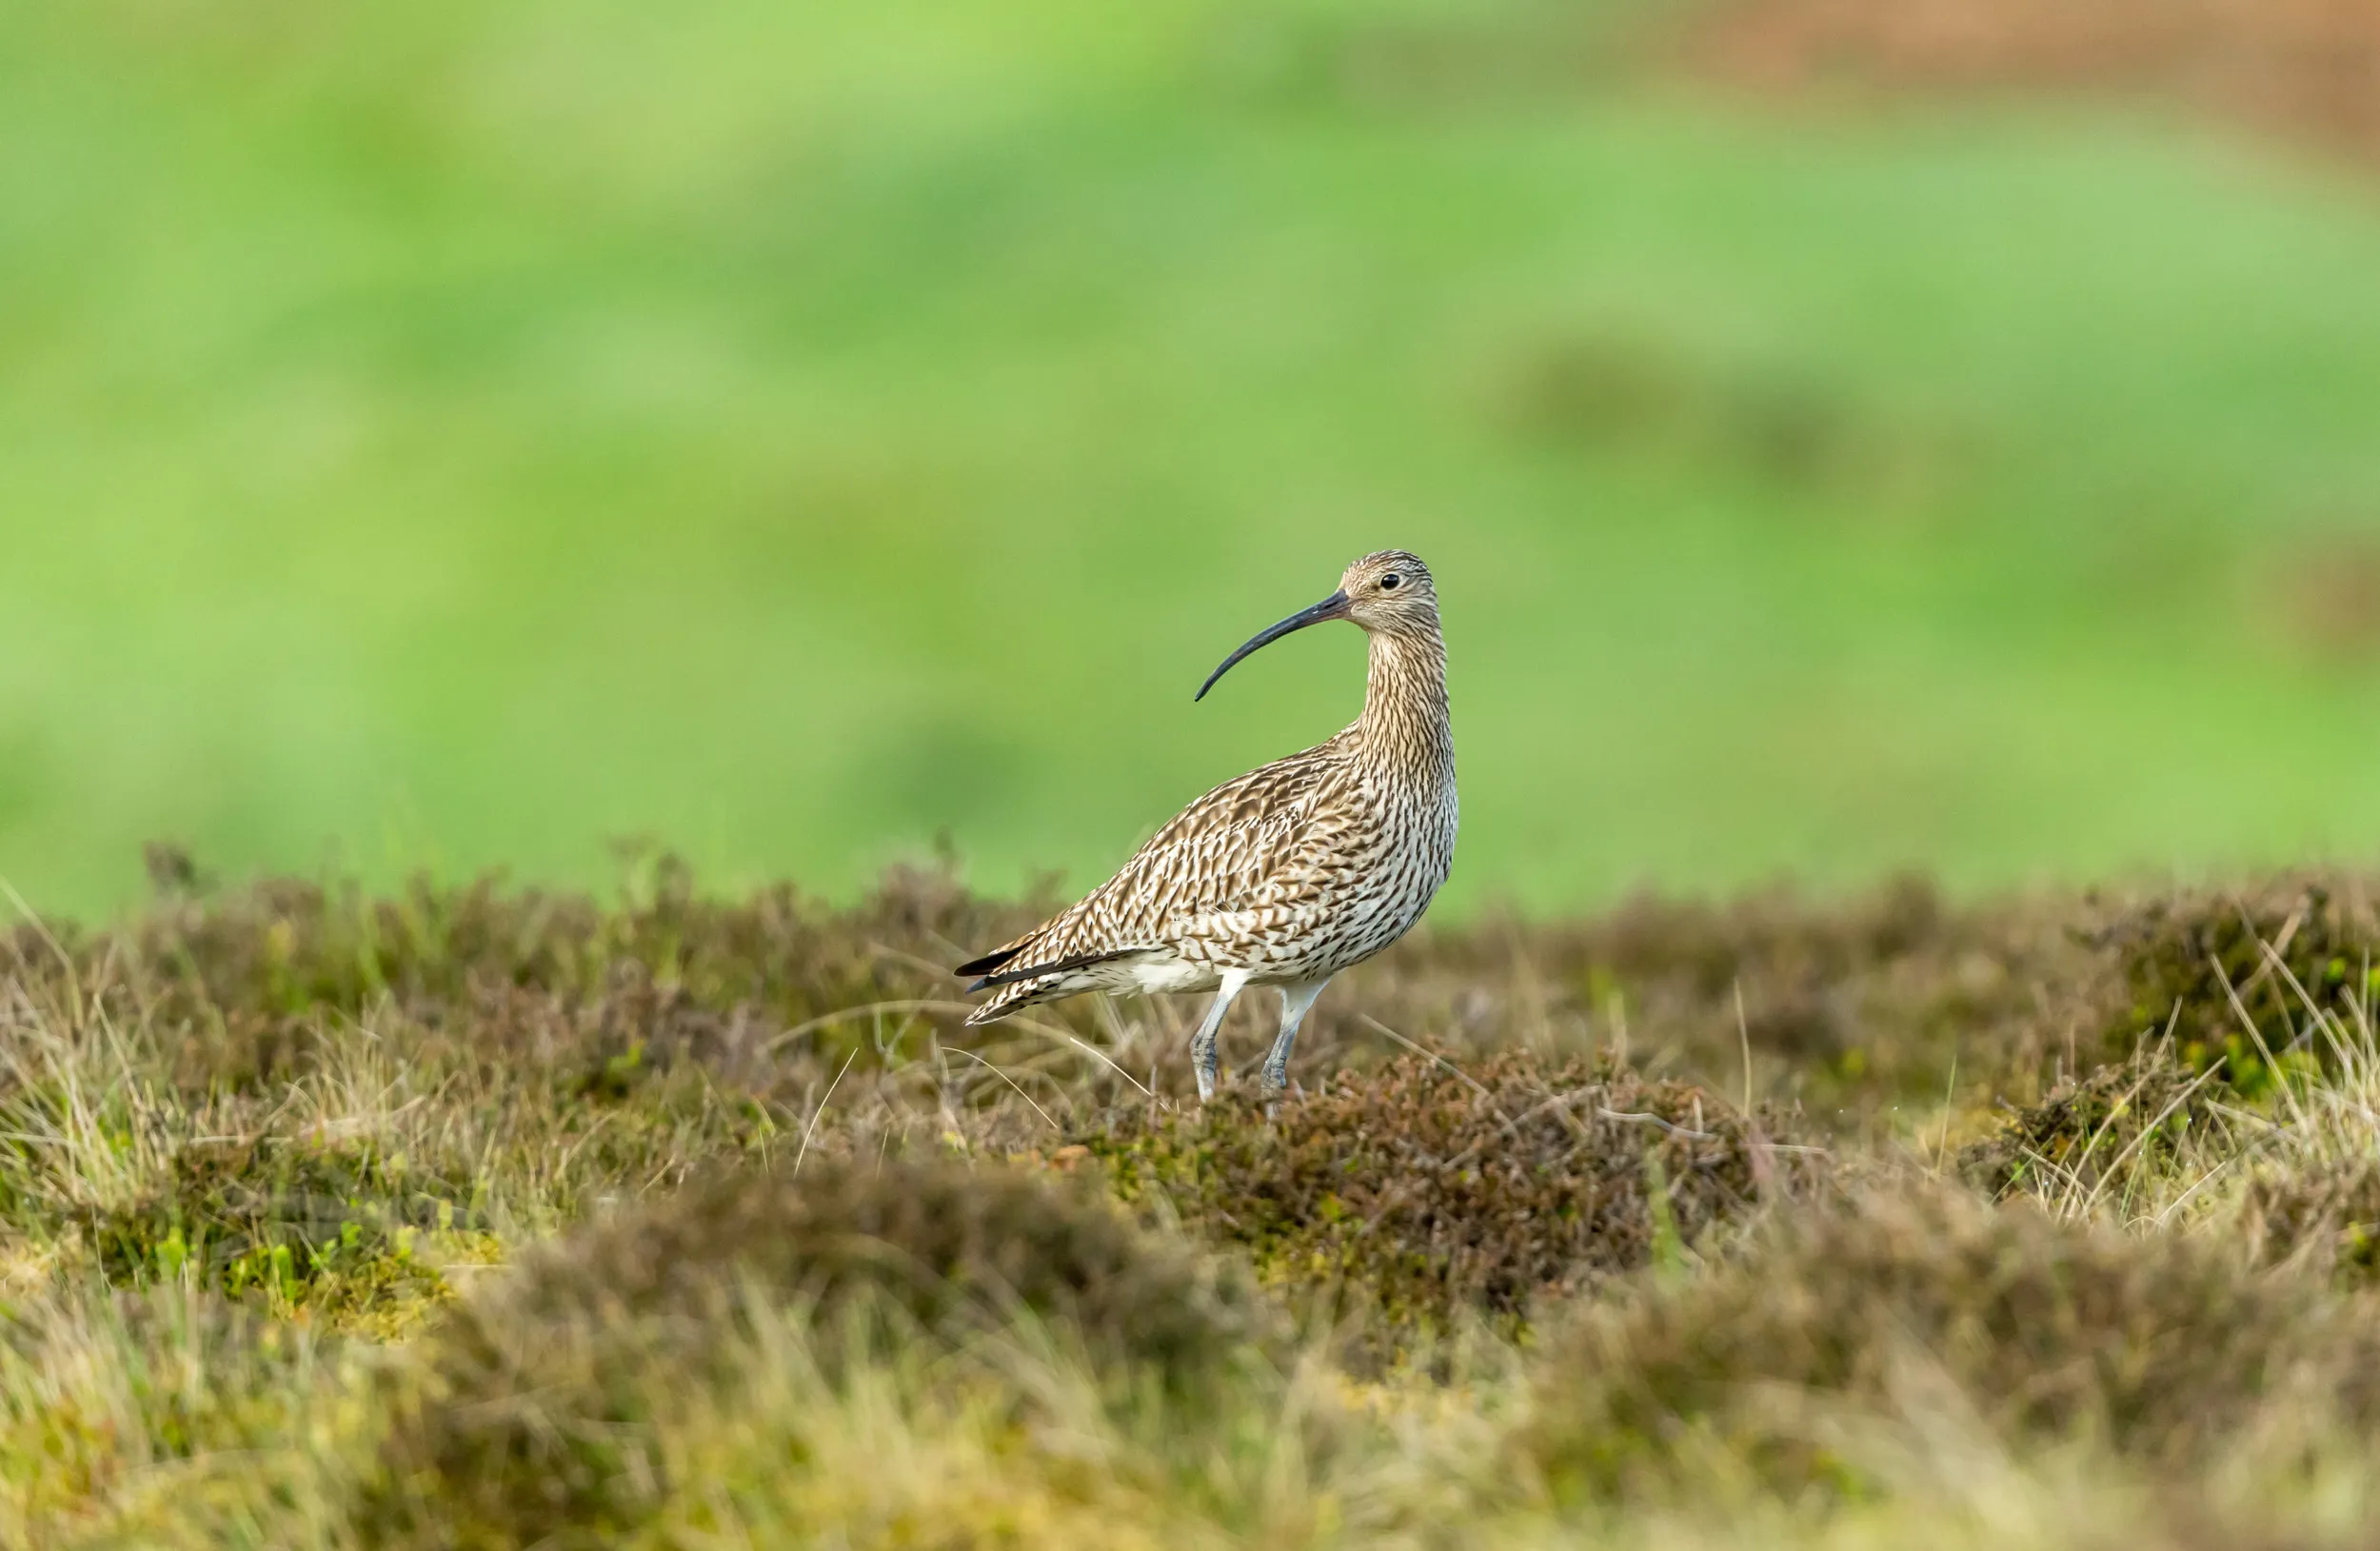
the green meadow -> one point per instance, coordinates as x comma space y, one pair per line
457, 437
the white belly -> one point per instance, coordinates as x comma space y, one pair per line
1160, 976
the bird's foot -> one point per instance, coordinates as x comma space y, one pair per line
1277, 1085
1274, 1097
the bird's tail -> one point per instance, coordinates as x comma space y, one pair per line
1037, 980
1006, 1000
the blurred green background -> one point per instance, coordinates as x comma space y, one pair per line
461, 435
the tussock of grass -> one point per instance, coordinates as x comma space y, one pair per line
2329, 1215
2092, 1138
2233, 972
798, 1427
2311, 1176
164, 1407
537, 1399
2161, 1350
1438, 1192
950, 1245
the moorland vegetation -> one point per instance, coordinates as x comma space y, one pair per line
488, 1216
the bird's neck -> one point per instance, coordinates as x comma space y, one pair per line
1405, 723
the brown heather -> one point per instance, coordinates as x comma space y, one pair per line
1432, 1191
1851, 1003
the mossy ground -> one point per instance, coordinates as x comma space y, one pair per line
480, 1216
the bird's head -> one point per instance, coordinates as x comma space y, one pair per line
1389, 592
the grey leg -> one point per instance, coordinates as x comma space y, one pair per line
1202, 1042
1295, 999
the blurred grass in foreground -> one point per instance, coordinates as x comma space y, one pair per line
466, 433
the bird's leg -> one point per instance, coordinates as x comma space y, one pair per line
1202, 1042
1295, 999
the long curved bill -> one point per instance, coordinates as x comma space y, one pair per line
1333, 606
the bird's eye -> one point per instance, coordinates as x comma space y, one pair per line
1391, 581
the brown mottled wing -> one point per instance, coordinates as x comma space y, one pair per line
1247, 853
1249, 845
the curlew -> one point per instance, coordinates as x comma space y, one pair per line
1289, 874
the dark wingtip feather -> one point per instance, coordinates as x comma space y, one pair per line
1055, 966
986, 964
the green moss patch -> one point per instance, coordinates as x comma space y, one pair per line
341, 1233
